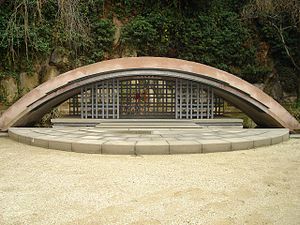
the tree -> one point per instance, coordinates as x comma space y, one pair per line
284, 17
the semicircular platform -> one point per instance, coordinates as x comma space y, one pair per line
148, 141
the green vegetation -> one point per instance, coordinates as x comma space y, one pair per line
226, 34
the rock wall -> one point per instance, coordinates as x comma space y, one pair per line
59, 61
12, 88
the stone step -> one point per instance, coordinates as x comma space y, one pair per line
149, 127
147, 124
77, 122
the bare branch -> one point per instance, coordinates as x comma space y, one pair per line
280, 32
72, 21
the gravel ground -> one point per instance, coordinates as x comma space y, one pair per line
40, 186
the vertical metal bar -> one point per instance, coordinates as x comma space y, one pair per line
107, 98
102, 98
176, 98
208, 99
81, 103
166, 96
145, 91
180, 99
92, 106
113, 97
201, 100
97, 94
212, 103
197, 92
191, 99
187, 100
85, 102
118, 101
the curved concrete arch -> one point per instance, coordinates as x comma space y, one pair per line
263, 109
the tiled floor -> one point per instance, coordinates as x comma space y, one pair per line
139, 141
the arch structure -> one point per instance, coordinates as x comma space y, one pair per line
188, 90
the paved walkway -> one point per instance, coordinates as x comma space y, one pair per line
142, 141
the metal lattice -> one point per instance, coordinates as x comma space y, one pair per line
146, 97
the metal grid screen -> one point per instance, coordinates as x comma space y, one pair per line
146, 97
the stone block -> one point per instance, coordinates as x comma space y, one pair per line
40, 142
119, 147
276, 140
25, 139
286, 137
240, 143
87, 146
13, 135
60, 145
184, 147
260, 142
152, 147
215, 146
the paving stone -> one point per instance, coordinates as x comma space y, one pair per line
25, 139
114, 138
286, 137
87, 146
170, 139
154, 142
13, 135
40, 142
91, 137
183, 147
119, 147
276, 140
138, 139
60, 145
186, 138
240, 143
260, 142
152, 147
150, 136
73, 136
215, 146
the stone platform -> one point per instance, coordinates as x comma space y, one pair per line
148, 141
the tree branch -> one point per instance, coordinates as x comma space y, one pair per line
280, 32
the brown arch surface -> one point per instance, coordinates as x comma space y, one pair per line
263, 109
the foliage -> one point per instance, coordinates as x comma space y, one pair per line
103, 32
218, 39
278, 22
221, 33
288, 78
140, 35
294, 109
31, 29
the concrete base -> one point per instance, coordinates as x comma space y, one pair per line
139, 141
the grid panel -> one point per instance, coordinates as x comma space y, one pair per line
196, 101
146, 97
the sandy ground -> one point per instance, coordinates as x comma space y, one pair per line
39, 186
